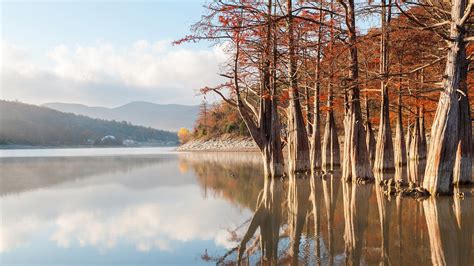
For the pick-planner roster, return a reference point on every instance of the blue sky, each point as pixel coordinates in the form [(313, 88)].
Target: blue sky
[(88, 47), (104, 53), (39, 25)]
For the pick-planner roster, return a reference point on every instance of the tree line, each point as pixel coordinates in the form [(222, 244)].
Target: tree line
[(294, 63), (25, 124)]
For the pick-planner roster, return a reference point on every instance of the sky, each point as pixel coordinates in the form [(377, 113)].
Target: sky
[(104, 53)]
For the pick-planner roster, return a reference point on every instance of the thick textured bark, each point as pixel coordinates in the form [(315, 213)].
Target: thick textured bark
[(330, 152), (462, 173), (384, 152), (264, 129), (400, 146), (417, 162), (408, 140), (316, 137), (424, 144), (356, 212), (356, 165), (267, 217), (445, 128), (370, 136), (298, 146)]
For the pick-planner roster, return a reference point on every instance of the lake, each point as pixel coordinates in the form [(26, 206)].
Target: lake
[(153, 206)]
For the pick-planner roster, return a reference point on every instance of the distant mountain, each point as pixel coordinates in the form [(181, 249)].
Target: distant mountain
[(24, 124), (160, 116)]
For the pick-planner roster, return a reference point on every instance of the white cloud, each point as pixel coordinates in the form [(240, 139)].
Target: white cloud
[(105, 215), (105, 74)]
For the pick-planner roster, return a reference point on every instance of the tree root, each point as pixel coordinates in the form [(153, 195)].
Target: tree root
[(399, 188)]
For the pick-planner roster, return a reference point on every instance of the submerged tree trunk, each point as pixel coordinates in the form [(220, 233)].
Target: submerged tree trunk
[(445, 128), (330, 150), (370, 136), (265, 128), (424, 144), (416, 162), (462, 173), (400, 146), (356, 165), (316, 137), (384, 151), (298, 146)]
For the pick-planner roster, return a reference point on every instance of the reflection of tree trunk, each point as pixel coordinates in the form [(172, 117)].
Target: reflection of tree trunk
[(442, 228), (356, 212), (267, 217), (463, 210), (316, 201), (330, 191), (298, 207), (399, 229), (384, 219)]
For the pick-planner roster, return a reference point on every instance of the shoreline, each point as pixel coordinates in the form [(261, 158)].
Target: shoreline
[(224, 144)]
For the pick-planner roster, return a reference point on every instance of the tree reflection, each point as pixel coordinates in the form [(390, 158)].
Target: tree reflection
[(449, 223), (356, 211), (331, 183), (267, 218)]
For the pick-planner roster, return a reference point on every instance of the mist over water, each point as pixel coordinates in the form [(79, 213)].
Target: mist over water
[(159, 207)]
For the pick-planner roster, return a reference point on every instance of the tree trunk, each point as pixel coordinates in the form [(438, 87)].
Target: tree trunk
[(462, 173), (316, 137), (330, 150), (384, 151), (400, 146), (370, 136), (356, 165), (416, 163), (265, 133), (424, 144), (445, 128), (298, 146)]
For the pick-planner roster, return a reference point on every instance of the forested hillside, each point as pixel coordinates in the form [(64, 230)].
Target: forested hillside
[(25, 124)]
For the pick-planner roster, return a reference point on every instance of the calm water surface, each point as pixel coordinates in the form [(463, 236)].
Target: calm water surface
[(152, 206)]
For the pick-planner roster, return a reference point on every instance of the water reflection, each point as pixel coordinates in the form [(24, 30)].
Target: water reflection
[(201, 208), (363, 226)]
